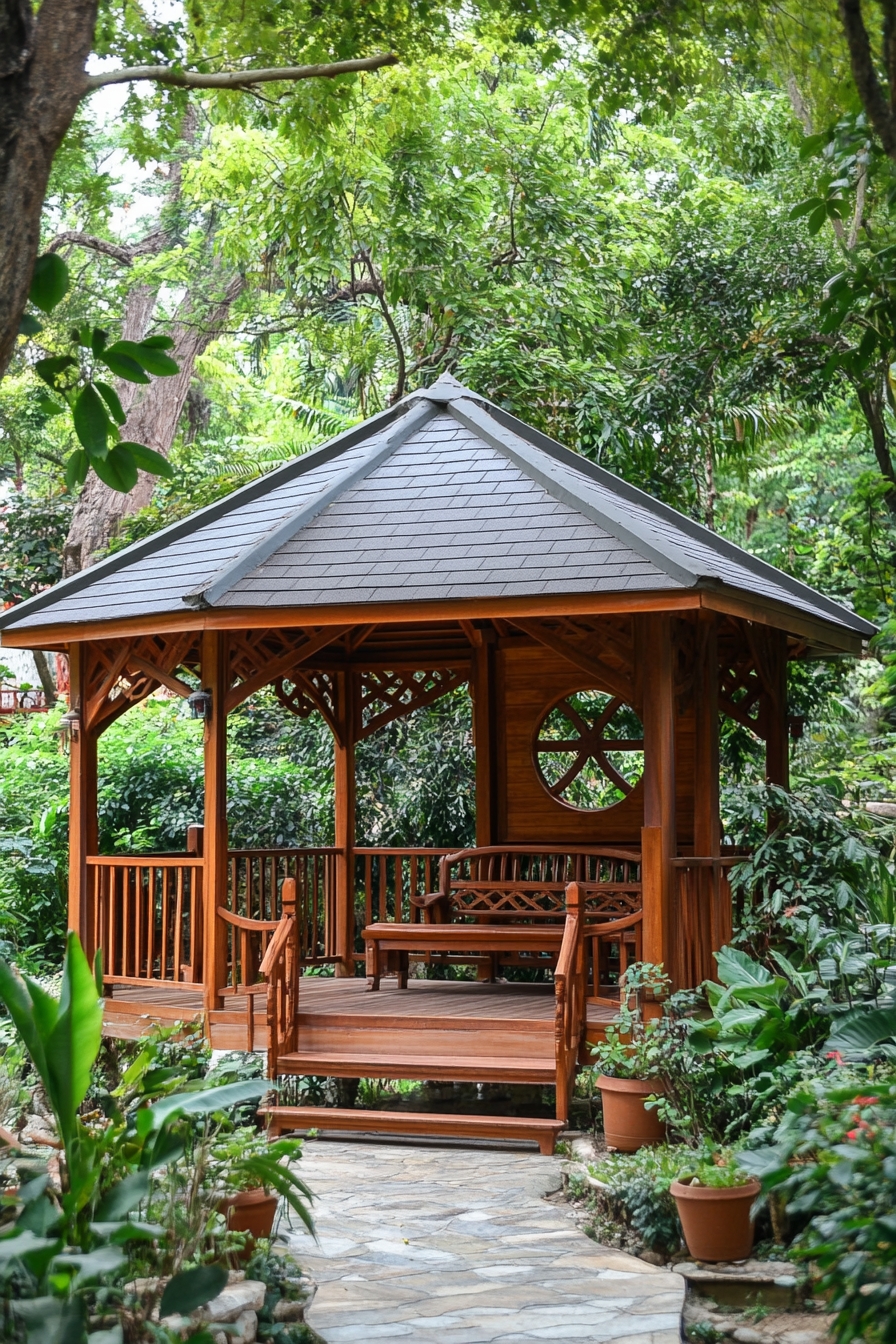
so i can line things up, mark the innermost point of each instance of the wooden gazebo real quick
(440, 543)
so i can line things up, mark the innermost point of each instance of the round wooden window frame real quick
(614, 703)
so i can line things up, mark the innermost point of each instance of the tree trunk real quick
(153, 413)
(42, 80)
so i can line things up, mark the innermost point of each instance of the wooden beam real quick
(214, 884)
(653, 638)
(281, 667)
(163, 678)
(361, 613)
(615, 680)
(773, 711)
(344, 819)
(83, 838)
(779, 616)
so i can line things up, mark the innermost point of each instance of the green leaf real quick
(13, 1248)
(14, 995)
(149, 460)
(74, 1041)
(203, 1103)
(92, 424)
(113, 1336)
(110, 397)
(124, 1197)
(76, 468)
(122, 365)
(158, 342)
(149, 357)
(50, 368)
(805, 208)
(862, 1030)
(29, 325)
(191, 1289)
(737, 970)
(49, 407)
(117, 469)
(49, 282)
(817, 219)
(93, 1264)
(98, 339)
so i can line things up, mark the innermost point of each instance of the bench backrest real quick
(521, 882)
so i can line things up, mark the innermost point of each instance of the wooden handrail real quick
(277, 944)
(569, 991)
(241, 922)
(142, 861)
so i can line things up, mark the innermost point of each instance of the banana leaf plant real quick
(66, 1239)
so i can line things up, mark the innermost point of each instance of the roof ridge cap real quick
(610, 481)
(145, 546)
(209, 591)
(674, 566)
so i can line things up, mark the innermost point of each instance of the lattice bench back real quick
(517, 882)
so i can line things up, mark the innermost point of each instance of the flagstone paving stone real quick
(453, 1245)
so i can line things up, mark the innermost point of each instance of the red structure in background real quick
(22, 700)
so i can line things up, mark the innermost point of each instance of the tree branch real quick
(868, 85)
(398, 390)
(235, 79)
(73, 238)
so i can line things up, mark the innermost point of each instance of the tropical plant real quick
(833, 1159)
(633, 1046)
(68, 1236)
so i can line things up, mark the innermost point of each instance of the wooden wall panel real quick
(530, 681)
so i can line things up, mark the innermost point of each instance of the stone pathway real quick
(458, 1246)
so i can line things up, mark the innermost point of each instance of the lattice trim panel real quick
(384, 696)
(263, 657)
(304, 692)
(121, 673)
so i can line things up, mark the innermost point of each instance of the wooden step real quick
(483, 1040)
(542, 1132)
(354, 1062)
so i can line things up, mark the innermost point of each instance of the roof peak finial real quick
(446, 388)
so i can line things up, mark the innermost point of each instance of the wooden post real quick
(774, 711)
(658, 839)
(214, 836)
(707, 825)
(82, 826)
(485, 725)
(344, 808)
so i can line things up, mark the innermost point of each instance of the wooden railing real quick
(701, 917)
(387, 878)
(255, 885)
(145, 915)
(569, 996)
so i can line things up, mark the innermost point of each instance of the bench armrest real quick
(436, 907)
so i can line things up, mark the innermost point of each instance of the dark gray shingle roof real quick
(445, 496)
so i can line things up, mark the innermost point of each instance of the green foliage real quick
(34, 528)
(95, 407)
(637, 1194)
(833, 1159)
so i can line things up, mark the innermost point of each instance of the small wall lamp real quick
(69, 727)
(200, 703)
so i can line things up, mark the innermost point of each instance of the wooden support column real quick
(707, 825)
(82, 826)
(344, 807)
(658, 840)
(214, 668)
(485, 737)
(774, 711)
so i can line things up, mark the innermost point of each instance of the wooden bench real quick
(507, 903)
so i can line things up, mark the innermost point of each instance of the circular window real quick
(589, 750)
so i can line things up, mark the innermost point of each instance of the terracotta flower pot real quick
(716, 1223)
(251, 1211)
(628, 1125)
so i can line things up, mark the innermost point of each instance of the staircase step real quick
(411, 1123)
(359, 1063)
(487, 1041)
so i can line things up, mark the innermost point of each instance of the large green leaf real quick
(77, 465)
(92, 423)
(200, 1103)
(17, 1000)
(73, 1042)
(149, 460)
(122, 364)
(110, 397)
(149, 357)
(14, 1248)
(737, 970)
(50, 368)
(117, 469)
(124, 1196)
(192, 1289)
(49, 282)
(862, 1030)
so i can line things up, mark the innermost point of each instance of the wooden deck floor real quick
(342, 1003)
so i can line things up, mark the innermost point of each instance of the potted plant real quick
(252, 1173)
(628, 1060)
(714, 1198)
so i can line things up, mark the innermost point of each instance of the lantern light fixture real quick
(200, 703)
